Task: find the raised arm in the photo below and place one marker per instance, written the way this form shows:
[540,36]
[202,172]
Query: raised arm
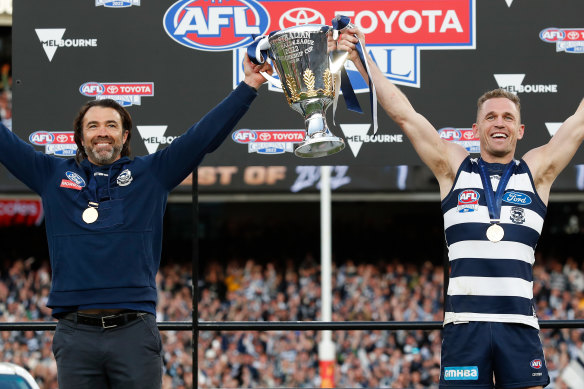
[547,162]
[442,157]
[172,164]
[31,167]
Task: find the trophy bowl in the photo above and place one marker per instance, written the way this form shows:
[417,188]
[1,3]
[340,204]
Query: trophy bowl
[300,57]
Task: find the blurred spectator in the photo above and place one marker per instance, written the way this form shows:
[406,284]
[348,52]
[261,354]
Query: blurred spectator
[290,291]
[6,95]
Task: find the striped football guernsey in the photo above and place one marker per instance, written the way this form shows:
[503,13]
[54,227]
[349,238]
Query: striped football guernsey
[491,281]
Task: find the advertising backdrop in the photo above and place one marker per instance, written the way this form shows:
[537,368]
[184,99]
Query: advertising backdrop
[169,62]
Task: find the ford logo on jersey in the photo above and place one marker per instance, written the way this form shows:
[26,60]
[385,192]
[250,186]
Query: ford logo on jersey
[215,25]
[76,178]
[517,198]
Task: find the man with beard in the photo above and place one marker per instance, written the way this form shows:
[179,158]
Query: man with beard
[104,214]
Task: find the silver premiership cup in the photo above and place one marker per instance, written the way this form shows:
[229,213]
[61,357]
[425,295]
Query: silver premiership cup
[301,60]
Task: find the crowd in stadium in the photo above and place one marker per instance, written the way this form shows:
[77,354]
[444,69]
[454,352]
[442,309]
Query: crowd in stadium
[290,290]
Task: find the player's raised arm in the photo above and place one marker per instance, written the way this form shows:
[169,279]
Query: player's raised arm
[546,162]
[442,157]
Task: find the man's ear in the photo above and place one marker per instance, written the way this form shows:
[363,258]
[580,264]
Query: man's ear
[521,131]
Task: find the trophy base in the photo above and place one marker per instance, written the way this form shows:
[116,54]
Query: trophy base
[319,147]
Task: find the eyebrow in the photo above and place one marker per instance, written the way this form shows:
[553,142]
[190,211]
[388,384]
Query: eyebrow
[504,113]
[96,122]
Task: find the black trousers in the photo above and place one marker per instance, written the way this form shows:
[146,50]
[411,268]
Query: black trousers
[129,356]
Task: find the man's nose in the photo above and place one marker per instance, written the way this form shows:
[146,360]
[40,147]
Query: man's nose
[102,131]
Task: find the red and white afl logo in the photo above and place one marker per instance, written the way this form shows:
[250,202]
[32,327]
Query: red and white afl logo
[468,196]
[536,364]
[215,25]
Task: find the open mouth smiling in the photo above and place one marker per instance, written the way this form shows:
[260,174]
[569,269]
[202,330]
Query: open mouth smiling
[499,135]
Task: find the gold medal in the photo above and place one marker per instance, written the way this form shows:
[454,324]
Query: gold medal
[495,233]
[90,215]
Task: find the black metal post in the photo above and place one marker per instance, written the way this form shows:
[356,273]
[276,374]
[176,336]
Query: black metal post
[195,277]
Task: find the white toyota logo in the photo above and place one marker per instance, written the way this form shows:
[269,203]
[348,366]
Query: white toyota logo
[300,16]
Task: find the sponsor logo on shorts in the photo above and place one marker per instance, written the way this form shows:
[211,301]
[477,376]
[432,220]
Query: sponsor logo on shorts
[461,373]
[536,364]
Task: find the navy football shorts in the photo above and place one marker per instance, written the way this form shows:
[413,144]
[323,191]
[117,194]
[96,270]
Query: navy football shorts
[477,353]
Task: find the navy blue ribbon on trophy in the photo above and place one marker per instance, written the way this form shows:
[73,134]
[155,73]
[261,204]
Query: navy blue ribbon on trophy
[340,22]
[494,199]
[258,51]
[349,93]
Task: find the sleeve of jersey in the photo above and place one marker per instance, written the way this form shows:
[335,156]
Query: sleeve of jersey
[23,161]
[174,163]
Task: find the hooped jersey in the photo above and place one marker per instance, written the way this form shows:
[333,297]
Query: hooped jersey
[491,281]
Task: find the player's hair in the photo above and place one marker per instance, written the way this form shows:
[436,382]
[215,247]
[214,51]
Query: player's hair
[498,93]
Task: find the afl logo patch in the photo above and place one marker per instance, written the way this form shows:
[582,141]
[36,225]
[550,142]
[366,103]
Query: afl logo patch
[536,364]
[125,178]
[76,178]
[468,201]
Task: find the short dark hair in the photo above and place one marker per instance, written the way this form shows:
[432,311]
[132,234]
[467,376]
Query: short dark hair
[104,103]
[497,93]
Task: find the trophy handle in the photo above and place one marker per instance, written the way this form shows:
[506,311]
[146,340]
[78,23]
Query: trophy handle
[261,53]
[339,57]
[337,60]
[272,80]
